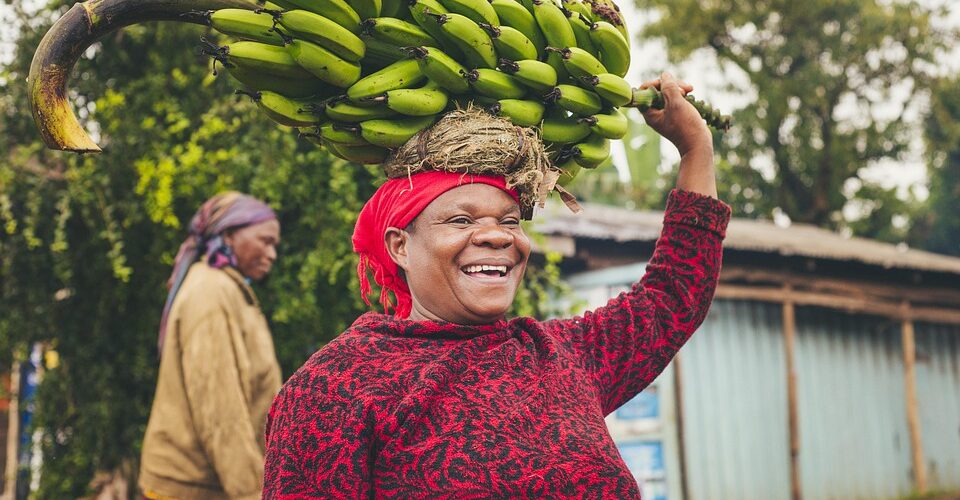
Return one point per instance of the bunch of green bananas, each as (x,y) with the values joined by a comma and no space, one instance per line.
(361,77)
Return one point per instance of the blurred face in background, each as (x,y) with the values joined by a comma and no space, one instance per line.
(255,247)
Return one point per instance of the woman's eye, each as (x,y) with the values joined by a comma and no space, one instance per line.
(460,220)
(511,222)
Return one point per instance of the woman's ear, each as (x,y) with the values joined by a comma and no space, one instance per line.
(228,237)
(396,241)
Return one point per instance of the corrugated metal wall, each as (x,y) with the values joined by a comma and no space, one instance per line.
(735,405)
(854,442)
(938,396)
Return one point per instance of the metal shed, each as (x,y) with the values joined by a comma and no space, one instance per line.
(828,367)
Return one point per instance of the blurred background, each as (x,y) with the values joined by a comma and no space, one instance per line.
(829,366)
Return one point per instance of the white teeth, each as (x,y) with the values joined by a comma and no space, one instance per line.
(480,268)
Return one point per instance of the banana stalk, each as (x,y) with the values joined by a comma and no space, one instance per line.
(69,38)
(651,98)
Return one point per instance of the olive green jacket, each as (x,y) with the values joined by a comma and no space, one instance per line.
(218,377)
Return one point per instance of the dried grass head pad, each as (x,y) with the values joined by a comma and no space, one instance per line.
(472,141)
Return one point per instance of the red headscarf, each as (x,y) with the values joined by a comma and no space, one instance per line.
(396,204)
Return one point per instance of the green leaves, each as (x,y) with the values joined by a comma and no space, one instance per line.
(826,73)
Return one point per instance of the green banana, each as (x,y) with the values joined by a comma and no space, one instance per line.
(574,99)
(535,74)
(578,62)
(568,172)
(611,88)
(393,133)
(278,5)
(245,25)
(520,112)
(442,69)
(286,111)
(365,154)
(608,11)
(510,43)
(380,55)
(425,101)
(324,64)
(397,32)
(419,10)
(290,87)
(394,8)
(614,49)
(470,38)
(553,23)
(345,111)
(341,133)
(367,8)
(338,11)
(557,30)
(612,125)
(563,130)
(479,11)
(581,30)
(593,151)
(402,74)
(580,8)
(495,84)
(324,32)
(515,15)
(267,59)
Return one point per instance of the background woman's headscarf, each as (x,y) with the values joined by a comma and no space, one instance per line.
(396,204)
(228,210)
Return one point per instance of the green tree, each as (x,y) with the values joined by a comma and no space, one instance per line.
(825,73)
(939,229)
(87,243)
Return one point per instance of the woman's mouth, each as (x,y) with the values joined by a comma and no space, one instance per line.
(485,271)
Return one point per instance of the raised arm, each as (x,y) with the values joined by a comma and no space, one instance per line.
(680,123)
(628,342)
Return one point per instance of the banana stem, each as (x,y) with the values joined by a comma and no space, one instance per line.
(69,38)
(651,98)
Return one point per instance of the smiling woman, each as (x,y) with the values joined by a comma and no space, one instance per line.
(446,397)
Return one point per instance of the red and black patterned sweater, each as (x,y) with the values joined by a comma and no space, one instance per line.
(417,409)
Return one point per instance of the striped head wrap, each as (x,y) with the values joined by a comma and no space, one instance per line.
(225,211)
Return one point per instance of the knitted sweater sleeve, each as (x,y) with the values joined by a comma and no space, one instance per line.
(319,439)
(625,344)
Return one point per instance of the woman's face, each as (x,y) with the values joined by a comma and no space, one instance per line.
(255,248)
(463,256)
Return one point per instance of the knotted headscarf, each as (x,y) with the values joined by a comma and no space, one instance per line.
(396,204)
(225,211)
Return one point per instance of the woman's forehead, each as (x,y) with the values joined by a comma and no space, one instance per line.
(473,198)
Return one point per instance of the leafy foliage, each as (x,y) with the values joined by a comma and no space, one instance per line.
(827,74)
(939,229)
(87,243)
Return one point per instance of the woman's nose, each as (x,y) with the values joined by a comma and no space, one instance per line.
(492,235)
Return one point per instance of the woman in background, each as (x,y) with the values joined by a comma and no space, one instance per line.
(218,369)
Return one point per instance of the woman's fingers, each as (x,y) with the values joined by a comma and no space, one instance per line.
(664,78)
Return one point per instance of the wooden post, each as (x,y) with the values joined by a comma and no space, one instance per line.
(913,412)
(678,403)
(789,334)
(13,432)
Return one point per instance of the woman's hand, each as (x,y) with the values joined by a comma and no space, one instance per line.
(682,125)
(678,121)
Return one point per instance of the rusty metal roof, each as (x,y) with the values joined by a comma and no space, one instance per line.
(621,225)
